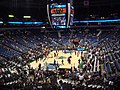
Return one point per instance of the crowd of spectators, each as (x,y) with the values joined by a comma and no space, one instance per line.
(99,69)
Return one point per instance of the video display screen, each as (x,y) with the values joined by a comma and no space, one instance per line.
(71,20)
(71,15)
(58,11)
(59,20)
(58,15)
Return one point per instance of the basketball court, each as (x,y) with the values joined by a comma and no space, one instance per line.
(61,56)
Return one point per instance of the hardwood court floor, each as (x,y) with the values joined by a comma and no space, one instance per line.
(50,59)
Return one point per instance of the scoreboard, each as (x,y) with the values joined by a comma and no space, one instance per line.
(71,15)
(60,15)
(58,11)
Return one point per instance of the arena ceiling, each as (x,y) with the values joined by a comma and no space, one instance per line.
(37,8)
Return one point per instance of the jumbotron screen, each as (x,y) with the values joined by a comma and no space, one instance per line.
(58,21)
(71,15)
(58,15)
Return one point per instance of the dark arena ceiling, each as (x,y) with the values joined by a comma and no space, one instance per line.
(38,10)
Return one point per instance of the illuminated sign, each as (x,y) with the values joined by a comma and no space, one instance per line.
(72,11)
(58,11)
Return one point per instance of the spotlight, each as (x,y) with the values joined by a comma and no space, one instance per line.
(26,16)
(11,16)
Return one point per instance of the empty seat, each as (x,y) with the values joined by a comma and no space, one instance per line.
(105,67)
(117,65)
(109,68)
